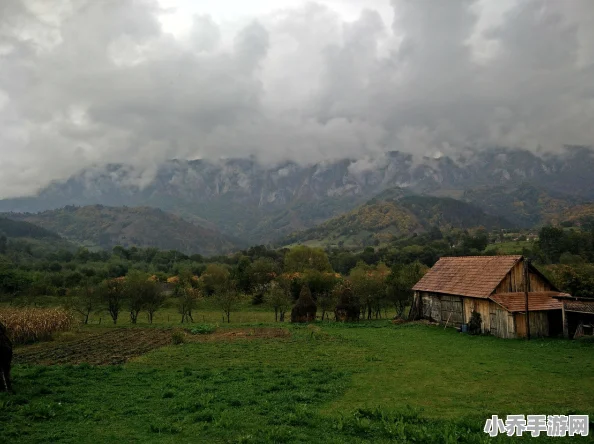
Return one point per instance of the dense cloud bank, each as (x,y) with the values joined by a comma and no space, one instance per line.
(94,82)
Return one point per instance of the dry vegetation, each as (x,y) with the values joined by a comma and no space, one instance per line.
(26,325)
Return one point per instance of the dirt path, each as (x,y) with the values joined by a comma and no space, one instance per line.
(117,345)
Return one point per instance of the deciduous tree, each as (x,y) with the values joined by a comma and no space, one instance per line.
(279,299)
(302,258)
(84,300)
(112,295)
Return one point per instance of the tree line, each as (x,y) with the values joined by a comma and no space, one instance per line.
(262,275)
(371,289)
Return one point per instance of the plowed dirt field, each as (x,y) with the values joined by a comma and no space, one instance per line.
(117,345)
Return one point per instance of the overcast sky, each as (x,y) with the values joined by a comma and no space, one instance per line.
(92,81)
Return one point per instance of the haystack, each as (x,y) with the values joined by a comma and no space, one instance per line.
(305,308)
(348,308)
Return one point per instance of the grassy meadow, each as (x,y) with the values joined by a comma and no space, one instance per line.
(331,383)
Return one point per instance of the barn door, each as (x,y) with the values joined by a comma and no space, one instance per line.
(458,312)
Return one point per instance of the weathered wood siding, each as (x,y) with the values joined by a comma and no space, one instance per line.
(481,306)
(430,306)
(502,322)
(514,281)
(495,320)
(539,324)
(452,311)
(442,308)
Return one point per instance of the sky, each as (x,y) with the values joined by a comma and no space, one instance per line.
(88,82)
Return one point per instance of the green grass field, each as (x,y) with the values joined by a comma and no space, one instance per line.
(367,382)
(511,247)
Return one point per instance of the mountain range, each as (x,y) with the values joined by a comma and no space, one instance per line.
(243,199)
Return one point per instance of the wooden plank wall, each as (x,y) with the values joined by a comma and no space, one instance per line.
(502,322)
(481,306)
(539,324)
(496,320)
(440,308)
(431,308)
(452,311)
(514,281)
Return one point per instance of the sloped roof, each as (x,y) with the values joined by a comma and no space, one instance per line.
(579,304)
(537,301)
(475,276)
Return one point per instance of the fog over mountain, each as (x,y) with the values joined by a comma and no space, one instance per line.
(85,82)
(260,203)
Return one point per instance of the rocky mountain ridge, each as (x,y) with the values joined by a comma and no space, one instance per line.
(260,203)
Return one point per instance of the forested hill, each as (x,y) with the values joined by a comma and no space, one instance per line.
(526,205)
(445,213)
(21,241)
(106,227)
(18,229)
(393,214)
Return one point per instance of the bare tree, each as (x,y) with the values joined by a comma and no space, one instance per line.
(84,301)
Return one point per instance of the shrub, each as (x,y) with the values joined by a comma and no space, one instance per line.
(203,329)
(474,326)
(26,325)
(178,337)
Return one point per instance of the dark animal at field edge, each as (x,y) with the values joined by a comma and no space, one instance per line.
(5,360)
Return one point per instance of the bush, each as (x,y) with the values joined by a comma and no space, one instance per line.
(203,329)
(474,326)
(178,337)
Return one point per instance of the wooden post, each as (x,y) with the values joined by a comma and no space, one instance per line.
(526,289)
(565,326)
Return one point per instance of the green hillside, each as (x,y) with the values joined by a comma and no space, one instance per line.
(578,214)
(525,205)
(22,241)
(393,214)
(21,229)
(106,227)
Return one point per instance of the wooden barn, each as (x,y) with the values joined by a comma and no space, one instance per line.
(493,286)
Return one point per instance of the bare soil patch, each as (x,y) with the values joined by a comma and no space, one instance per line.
(111,347)
(246,333)
(118,345)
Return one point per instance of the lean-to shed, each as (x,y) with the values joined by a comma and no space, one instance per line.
(578,316)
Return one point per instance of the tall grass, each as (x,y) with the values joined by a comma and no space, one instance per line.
(28,324)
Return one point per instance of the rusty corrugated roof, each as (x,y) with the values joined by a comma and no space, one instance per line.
(475,276)
(537,301)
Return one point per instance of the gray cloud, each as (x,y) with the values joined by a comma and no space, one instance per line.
(100,81)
